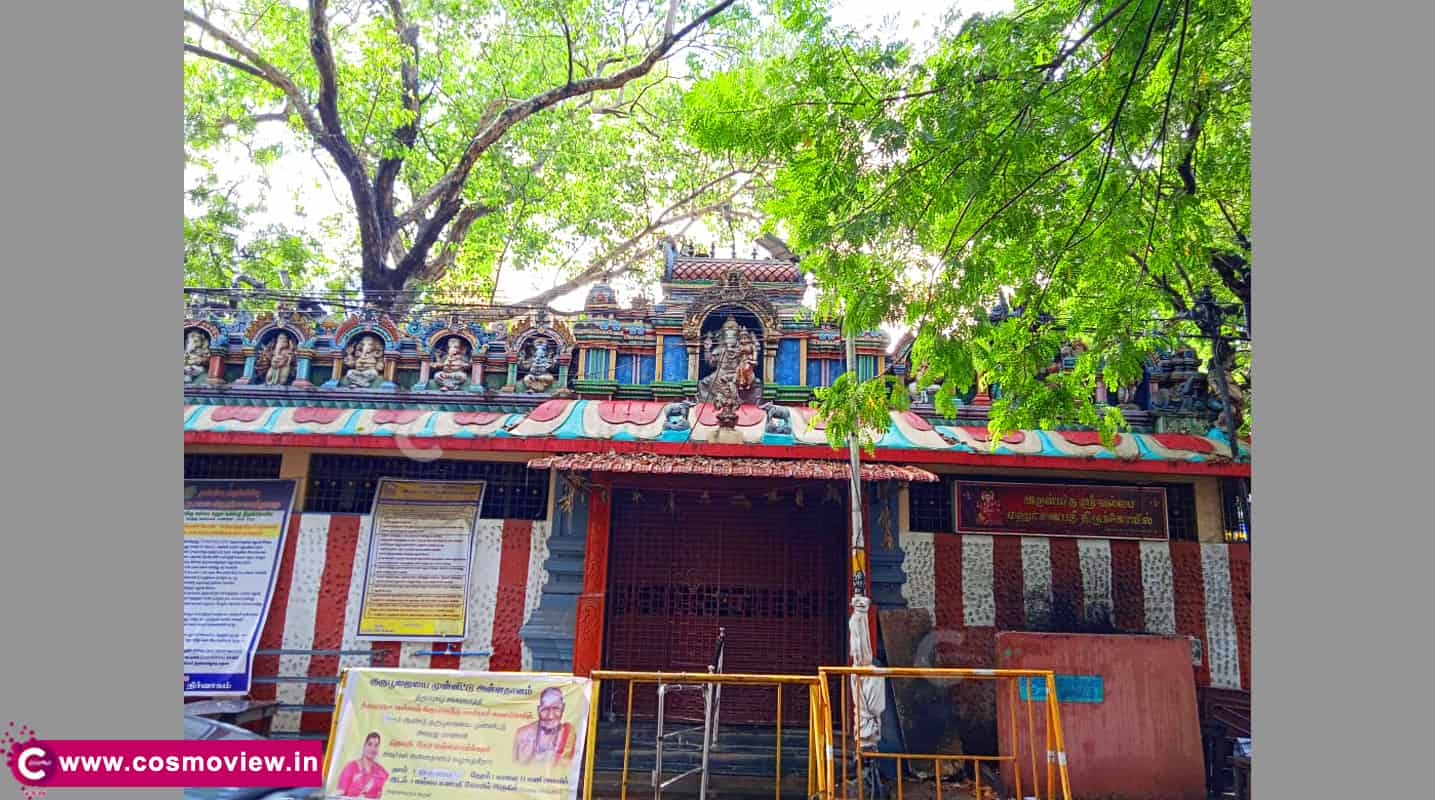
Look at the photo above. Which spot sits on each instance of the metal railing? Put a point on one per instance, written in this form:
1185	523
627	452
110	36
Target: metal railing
1020	689
374	656
712	696
817	707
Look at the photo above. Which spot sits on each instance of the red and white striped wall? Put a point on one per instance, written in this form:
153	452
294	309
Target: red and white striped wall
976	585
316	605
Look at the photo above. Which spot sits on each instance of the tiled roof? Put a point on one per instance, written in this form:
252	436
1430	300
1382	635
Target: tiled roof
712	269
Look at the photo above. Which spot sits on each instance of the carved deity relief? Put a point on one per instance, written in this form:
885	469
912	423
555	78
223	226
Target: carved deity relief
196	356
732	352
275	362
364	358
537	364
451	365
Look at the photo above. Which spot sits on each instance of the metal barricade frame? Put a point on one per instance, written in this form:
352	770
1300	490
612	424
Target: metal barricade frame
1055	742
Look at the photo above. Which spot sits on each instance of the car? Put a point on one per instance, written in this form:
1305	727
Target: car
198	728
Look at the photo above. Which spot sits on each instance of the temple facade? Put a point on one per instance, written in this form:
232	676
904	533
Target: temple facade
657	472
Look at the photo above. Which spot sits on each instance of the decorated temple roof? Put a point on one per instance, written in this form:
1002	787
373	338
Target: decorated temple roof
684	428
655	464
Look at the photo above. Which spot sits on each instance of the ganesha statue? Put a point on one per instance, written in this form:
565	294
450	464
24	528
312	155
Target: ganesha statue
274	364
364	358
538	363
196	356
452	365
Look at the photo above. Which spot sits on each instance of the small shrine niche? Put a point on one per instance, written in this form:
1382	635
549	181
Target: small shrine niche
732	354
539	355
455	364
276	360
367	352
203	358
363	362
277	351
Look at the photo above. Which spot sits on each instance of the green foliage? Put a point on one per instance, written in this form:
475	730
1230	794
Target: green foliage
1093	158
576	181
850	406
221	244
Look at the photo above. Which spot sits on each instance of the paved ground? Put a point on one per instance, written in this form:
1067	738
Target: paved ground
911	790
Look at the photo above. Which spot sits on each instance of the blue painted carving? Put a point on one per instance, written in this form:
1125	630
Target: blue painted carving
886	562
788	367
779	420
675	359
835	368
549	631
675	416
623	372
647	366
814	372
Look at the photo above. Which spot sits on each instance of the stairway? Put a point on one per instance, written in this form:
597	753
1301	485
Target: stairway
742	764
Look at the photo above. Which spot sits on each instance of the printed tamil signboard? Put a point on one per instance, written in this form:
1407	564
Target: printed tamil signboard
233	539
419	561
1053	509
425	734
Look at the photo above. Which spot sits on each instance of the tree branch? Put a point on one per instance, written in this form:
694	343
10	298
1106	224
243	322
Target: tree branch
452	183
440	187
1178	301
388	169
223	59
1236	229
267	70
373	236
457	232
603	268
323	55
1161	131
568	37
1055	64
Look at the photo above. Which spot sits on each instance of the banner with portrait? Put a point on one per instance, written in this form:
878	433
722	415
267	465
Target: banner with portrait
425	734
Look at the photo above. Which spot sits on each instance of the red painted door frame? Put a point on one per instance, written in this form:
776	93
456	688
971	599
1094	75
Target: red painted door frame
588	633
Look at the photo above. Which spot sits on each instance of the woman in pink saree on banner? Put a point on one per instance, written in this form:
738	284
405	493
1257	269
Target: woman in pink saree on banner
363	777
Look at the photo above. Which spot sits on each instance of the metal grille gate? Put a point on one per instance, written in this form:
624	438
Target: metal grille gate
679	568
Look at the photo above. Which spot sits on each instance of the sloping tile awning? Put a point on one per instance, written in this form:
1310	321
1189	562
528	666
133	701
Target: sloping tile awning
650	463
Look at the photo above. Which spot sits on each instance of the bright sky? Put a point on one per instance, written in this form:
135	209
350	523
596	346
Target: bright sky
297	182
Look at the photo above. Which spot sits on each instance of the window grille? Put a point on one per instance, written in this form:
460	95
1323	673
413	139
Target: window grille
344	484
1236	508
929	506
231	466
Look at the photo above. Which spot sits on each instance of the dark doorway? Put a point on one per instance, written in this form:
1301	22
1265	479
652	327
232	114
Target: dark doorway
771	573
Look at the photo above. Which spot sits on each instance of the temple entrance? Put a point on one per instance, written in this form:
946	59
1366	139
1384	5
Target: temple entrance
769	572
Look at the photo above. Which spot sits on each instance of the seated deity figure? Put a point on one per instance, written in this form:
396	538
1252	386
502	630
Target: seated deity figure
451	367
196	356
537	365
276	361
365	359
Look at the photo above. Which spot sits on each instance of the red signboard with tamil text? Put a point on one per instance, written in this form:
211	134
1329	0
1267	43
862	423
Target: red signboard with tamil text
1050	509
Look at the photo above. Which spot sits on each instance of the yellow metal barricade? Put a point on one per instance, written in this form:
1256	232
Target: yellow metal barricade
832	744
818	722
1021	702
